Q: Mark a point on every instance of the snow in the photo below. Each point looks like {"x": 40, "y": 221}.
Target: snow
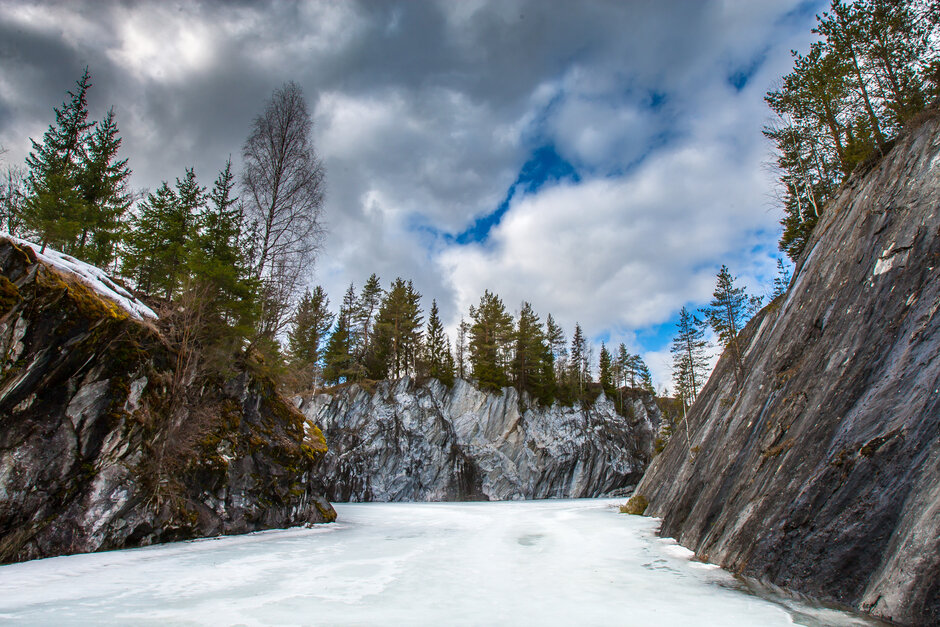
{"x": 567, "y": 562}
{"x": 90, "y": 275}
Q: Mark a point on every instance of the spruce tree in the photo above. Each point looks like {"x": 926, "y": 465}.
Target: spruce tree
{"x": 397, "y": 333}
{"x": 218, "y": 261}
{"x": 143, "y": 260}
{"x": 337, "y": 360}
{"x": 576, "y": 370}
{"x": 605, "y": 374}
{"x": 528, "y": 370}
{"x": 437, "y": 357}
{"x": 102, "y": 179}
{"x": 311, "y": 324}
{"x": 55, "y": 207}
{"x": 490, "y": 340}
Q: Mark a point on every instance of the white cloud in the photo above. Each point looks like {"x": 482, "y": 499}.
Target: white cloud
{"x": 424, "y": 115}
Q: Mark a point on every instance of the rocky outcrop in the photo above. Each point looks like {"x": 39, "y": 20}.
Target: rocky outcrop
{"x": 106, "y": 443}
{"x": 821, "y": 473}
{"x": 410, "y": 442}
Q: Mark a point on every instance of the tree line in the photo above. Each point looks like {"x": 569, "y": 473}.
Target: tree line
{"x": 382, "y": 333}
{"x": 875, "y": 66}
{"x": 229, "y": 256}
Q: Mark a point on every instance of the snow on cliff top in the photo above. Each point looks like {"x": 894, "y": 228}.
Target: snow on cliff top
{"x": 92, "y": 276}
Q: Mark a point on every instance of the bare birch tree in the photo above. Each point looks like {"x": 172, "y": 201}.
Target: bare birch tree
{"x": 283, "y": 185}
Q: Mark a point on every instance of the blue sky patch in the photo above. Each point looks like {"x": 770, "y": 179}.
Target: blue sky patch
{"x": 543, "y": 167}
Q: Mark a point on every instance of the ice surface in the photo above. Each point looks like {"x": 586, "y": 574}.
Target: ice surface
{"x": 90, "y": 275}
{"x": 576, "y": 562}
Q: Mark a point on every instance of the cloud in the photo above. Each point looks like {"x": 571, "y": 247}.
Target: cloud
{"x": 425, "y": 114}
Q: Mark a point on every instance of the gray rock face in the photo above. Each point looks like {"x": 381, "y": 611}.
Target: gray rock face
{"x": 410, "y": 442}
{"x": 100, "y": 446}
{"x": 822, "y": 473}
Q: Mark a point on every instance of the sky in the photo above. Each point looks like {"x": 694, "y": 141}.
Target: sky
{"x": 600, "y": 160}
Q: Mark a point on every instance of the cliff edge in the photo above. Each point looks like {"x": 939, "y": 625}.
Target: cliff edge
{"x": 821, "y": 473}
{"x": 406, "y": 441}
{"x": 107, "y": 442}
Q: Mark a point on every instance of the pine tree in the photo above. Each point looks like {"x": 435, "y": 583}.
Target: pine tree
{"x": 643, "y": 375}
{"x": 689, "y": 359}
{"x": 350, "y": 306}
{"x": 490, "y": 341}
{"x": 623, "y": 365}
{"x": 726, "y": 315}
{"x": 366, "y": 309}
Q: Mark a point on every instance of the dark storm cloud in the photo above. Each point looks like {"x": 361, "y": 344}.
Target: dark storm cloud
{"x": 426, "y": 112}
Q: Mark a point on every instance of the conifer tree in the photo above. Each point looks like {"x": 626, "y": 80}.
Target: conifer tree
{"x": 689, "y": 359}
{"x": 576, "y": 369}
{"x": 102, "y": 179}
{"x": 337, "y": 360}
{"x": 643, "y": 375}
{"x": 217, "y": 257}
{"x": 530, "y": 353}
{"x": 311, "y": 324}
{"x": 143, "y": 261}
{"x": 726, "y": 315}
{"x": 623, "y": 364}
{"x": 397, "y": 333}
{"x": 555, "y": 338}
{"x": 54, "y": 208}
{"x": 462, "y": 349}
{"x": 439, "y": 362}
{"x": 366, "y": 308}
{"x": 782, "y": 280}
{"x": 490, "y": 341}
{"x": 605, "y": 374}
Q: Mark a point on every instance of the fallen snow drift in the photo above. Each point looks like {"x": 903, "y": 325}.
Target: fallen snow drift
{"x": 576, "y": 562}
{"x": 92, "y": 276}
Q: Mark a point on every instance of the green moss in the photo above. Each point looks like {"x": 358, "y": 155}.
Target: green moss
{"x": 635, "y": 506}
{"x": 9, "y": 296}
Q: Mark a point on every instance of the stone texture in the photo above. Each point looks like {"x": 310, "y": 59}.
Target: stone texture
{"x": 822, "y": 473}
{"x": 101, "y": 448}
{"x": 411, "y": 442}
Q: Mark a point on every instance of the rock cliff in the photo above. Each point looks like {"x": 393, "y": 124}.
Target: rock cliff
{"x": 104, "y": 445}
{"x": 821, "y": 473}
{"x": 411, "y": 442}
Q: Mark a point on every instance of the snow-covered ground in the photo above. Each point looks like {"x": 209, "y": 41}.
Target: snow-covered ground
{"x": 575, "y": 562}
{"x": 92, "y": 276}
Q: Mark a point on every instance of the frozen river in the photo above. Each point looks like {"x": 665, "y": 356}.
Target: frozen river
{"x": 573, "y": 562}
